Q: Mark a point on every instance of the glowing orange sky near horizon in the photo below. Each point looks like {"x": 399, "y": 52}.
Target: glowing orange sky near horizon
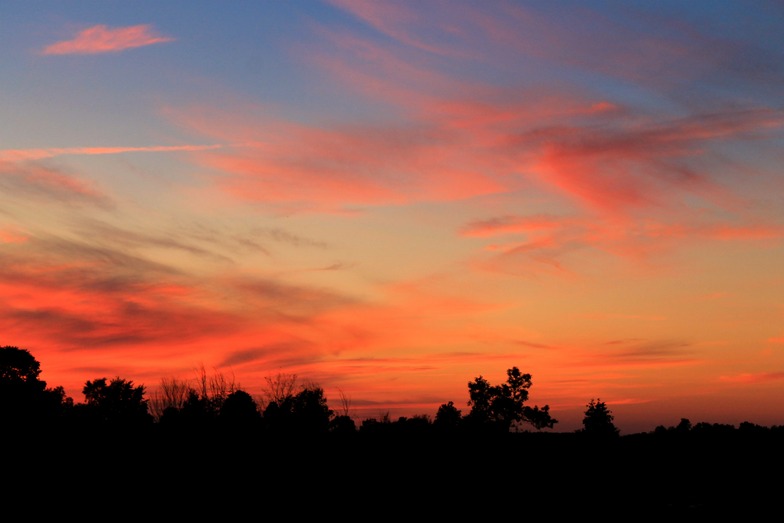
{"x": 390, "y": 200}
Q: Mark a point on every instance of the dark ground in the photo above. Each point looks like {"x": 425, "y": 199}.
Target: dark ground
{"x": 541, "y": 475}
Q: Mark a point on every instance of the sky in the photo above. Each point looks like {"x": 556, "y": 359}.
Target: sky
{"x": 392, "y": 199}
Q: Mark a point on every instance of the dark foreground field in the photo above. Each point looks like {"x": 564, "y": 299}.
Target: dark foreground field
{"x": 541, "y": 475}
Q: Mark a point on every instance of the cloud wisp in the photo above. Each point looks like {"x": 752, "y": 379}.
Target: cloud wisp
{"x": 11, "y": 155}
{"x": 37, "y": 183}
{"x": 103, "y": 39}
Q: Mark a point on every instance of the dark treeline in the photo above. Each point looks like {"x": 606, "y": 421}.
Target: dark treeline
{"x": 287, "y": 408}
{"x": 211, "y": 434}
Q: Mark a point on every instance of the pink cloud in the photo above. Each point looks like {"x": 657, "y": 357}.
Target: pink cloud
{"x": 548, "y": 240}
{"x": 103, "y": 39}
{"x": 603, "y": 156}
{"x": 331, "y": 167}
{"x": 631, "y": 164}
{"x": 596, "y": 153}
{"x": 610, "y": 166}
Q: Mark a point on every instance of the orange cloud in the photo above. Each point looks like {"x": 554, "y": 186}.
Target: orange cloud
{"x": 751, "y": 232}
{"x": 11, "y": 236}
{"x": 103, "y": 39}
{"x": 100, "y": 292}
{"x": 753, "y": 378}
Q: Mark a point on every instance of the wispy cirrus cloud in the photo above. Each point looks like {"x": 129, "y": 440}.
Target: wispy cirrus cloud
{"x": 640, "y": 352}
{"x": 36, "y": 183}
{"x": 103, "y": 39}
{"x": 102, "y": 289}
{"x": 502, "y": 225}
{"x": 630, "y": 164}
{"x": 326, "y": 168}
{"x": 599, "y": 153}
{"x": 609, "y": 157}
{"x": 396, "y": 20}
{"x": 537, "y": 233}
{"x": 11, "y": 155}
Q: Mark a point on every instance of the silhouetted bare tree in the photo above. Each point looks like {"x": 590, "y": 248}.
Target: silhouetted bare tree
{"x": 216, "y": 387}
{"x": 278, "y": 388}
{"x": 342, "y": 421}
{"x": 172, "y": 394}
{"x": 198, "y": 401}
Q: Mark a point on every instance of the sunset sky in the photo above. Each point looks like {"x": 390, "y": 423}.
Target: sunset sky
{"x": 390, "y": 199}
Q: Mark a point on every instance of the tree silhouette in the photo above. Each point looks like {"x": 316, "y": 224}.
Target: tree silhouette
{"x": 598, "y": 420}
{"x": 170, "y": 397}
{"x": 192, "y": 404}
{"x": 500, "y": 407}
{"x": 342, "y": 424}
{"x": 25, "y": 400}
{"x": 195, "y": 414}
{"x": 115, "y": 402}
{"x": 447, "y": 418}
{"x": 19, "y": 366}
{"x": 306, "y": 412}
{"x": 239, "y": 410}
